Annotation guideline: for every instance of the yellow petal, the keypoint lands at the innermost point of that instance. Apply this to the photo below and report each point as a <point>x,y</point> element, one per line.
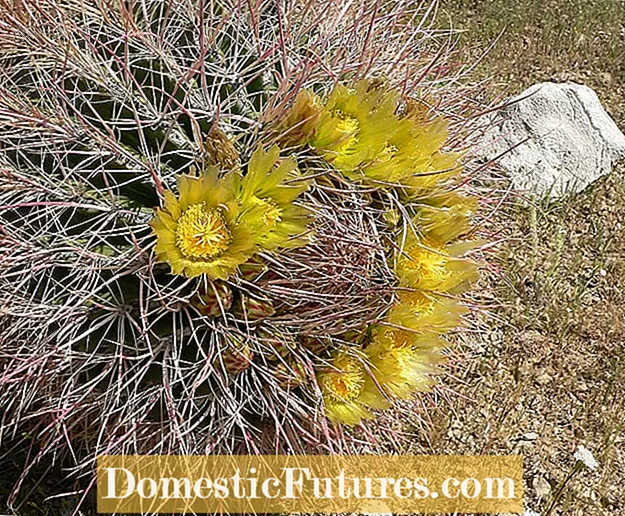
<point>190,191</point>
<point>172,205</point>
<point>167,220</point>
<point>262,161</point>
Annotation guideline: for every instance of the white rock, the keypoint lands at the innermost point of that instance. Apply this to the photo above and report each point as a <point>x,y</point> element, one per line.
<point>558,137</point>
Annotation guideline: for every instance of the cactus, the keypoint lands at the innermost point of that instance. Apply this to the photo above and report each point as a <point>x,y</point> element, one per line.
<point>222,218</point>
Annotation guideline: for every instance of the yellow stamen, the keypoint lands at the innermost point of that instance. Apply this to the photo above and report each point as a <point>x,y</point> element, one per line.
<point>272,214</point>
<point>388,152</point>
<point>398,338</point>
<point>431,266</point>
<point>348,126</point>
<point>421,305</point>
<point>347,382</point>
<point>202,232</point>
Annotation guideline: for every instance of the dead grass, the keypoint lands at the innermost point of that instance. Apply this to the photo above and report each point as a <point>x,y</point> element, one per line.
<point>547,372</point>
<point>559,40</point>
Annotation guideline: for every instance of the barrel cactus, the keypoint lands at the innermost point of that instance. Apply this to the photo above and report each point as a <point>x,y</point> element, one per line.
<point>227,227</point>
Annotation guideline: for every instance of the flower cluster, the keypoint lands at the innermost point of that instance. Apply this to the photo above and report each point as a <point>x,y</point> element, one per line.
<point>360,131</point>
<point>370,136</point>
<point>366,134</point>
<point>219,222</point>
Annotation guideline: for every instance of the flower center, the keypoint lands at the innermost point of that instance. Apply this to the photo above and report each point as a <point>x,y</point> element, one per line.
<point>398,339</point>
<point>347,382</point>
<point>348,126</point>
<point>421,305</point>
<point>388,153</point>
<point>272,213</point>
<point>202,232</point>
<point>431,266</point>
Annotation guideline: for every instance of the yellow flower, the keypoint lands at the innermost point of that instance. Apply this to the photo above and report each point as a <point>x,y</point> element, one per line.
<point>201,232</point>
<point>445,217</point>
<point>396,163</point>
<point>428,267</point>
<point>425,313</point>
<point>354,126</point>
<point>430,171</point>
<point>266,194</point>
<point>401,362</point>
<point>431,166</point>
<point>342,386</point>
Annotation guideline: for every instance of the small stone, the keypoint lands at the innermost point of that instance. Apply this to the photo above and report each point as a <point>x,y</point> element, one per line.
<point>530,436</point>
<point>544,379</point>
<point>541,487</point>
<point>606,77</point>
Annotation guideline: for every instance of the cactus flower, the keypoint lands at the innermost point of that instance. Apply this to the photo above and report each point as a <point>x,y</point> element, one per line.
<point>201,231</point>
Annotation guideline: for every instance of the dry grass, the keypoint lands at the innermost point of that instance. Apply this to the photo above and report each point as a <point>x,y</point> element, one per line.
<point>547,372</point>
<point>558,40</point>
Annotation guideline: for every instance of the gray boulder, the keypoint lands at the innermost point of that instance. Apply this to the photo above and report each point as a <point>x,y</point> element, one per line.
<point>558,137</point>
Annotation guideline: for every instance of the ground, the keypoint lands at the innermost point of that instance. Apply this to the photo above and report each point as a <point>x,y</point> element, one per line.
<point>544,372</point>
